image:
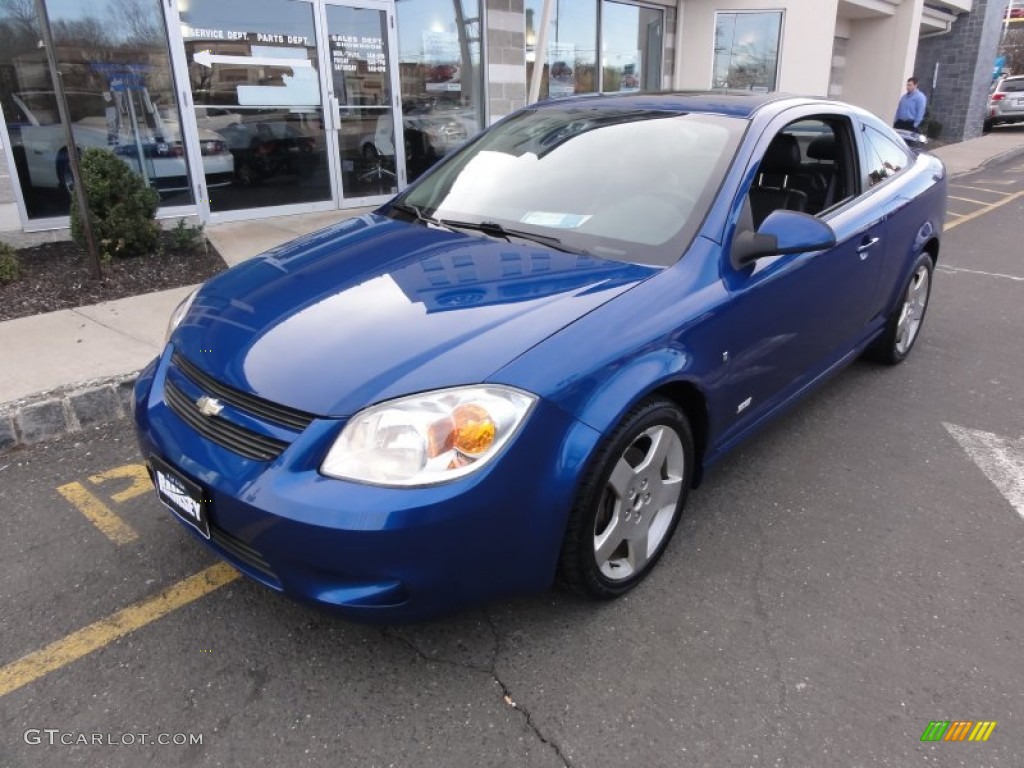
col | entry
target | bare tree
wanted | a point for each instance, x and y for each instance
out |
(137, 22)
(21, 14)
(1012, 47)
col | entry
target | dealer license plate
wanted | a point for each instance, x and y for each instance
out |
(182, 496)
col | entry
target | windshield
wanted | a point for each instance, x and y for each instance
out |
(625, 184)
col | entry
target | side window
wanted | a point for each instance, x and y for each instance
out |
(807, 167)
(885, 157)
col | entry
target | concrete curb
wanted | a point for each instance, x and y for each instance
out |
(60, 412)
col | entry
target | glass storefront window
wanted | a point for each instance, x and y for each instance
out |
(571, 62)
(441, 78)
(631, 45)
(116, 72)
(747, 50)
(254, 74)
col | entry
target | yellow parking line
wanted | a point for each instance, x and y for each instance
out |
(98, 513)
(58, 654)
(984, 210)
(137, 473)
(958, 215)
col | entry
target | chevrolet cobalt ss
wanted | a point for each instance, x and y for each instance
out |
(513, 372)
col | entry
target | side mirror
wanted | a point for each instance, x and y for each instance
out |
(782, 232)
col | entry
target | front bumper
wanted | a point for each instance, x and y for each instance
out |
(388, 554)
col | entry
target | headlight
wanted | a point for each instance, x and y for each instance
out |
(428, 438)
(178, 314)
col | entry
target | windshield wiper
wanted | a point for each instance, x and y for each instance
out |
(494, 229)
(417, 212)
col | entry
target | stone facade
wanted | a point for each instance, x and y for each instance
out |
(964, 57)
(835, 82)
(505, 51)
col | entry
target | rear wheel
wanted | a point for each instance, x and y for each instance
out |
(630, 501)
(65, 178)
(904, 324)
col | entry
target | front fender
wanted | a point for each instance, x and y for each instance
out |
(658, 334)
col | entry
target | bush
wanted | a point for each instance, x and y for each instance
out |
(185, 237)
(123, 208)
(9, 266)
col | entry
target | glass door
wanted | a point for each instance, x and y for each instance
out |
(362, 86)
(254, 86)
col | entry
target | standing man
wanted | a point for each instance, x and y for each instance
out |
(910, 112)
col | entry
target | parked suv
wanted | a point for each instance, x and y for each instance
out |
(1006, 104)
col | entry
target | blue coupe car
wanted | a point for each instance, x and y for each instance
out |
(514, 372)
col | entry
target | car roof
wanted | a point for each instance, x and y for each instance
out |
(742, 104)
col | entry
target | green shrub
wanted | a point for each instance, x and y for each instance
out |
(9, 266)
(185, 237)
(123, 208)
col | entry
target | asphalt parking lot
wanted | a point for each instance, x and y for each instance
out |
(848, 577)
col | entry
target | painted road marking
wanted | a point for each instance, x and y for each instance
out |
(98, 513)
(982, 189)
(986, 209)
(970, 200)
(1000, 458)
(141, 484)
(58, 654)
(947, 268)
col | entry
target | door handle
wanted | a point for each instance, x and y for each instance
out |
(866, 246)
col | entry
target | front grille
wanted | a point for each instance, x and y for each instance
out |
(243, 552)
(243, 441)
(257, 406)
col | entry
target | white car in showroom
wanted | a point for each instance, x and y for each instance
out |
(130, 127)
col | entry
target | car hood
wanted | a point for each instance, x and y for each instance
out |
(375, 308)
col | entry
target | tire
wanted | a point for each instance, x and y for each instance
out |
(629, 502)
(986, 126)
(65, 179)
(247, 175)
(904, 324)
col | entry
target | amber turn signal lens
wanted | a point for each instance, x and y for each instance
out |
(474, 429)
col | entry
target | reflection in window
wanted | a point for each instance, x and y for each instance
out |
(361, 76)
(256, 90)
(747, 50)
(570, 65)
(116, 71)
(441, 77)
(885, 157)
(631, 47)
(631, 42)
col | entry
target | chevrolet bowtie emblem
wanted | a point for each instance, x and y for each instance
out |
(209, 406)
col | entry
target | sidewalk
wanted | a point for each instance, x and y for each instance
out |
(65, 371)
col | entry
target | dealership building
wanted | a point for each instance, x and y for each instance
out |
(271, 107)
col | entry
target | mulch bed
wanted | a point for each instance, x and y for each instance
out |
(57, 275)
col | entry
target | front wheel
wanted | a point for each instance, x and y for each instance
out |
(629, 502)
(904, 324)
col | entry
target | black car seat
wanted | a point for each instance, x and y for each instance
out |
(822, 150)
(772, 188)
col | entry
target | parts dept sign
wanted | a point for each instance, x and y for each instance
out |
(300, 87)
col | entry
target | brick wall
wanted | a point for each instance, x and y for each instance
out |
(965, 57)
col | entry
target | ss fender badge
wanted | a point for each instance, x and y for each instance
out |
(209, 406)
